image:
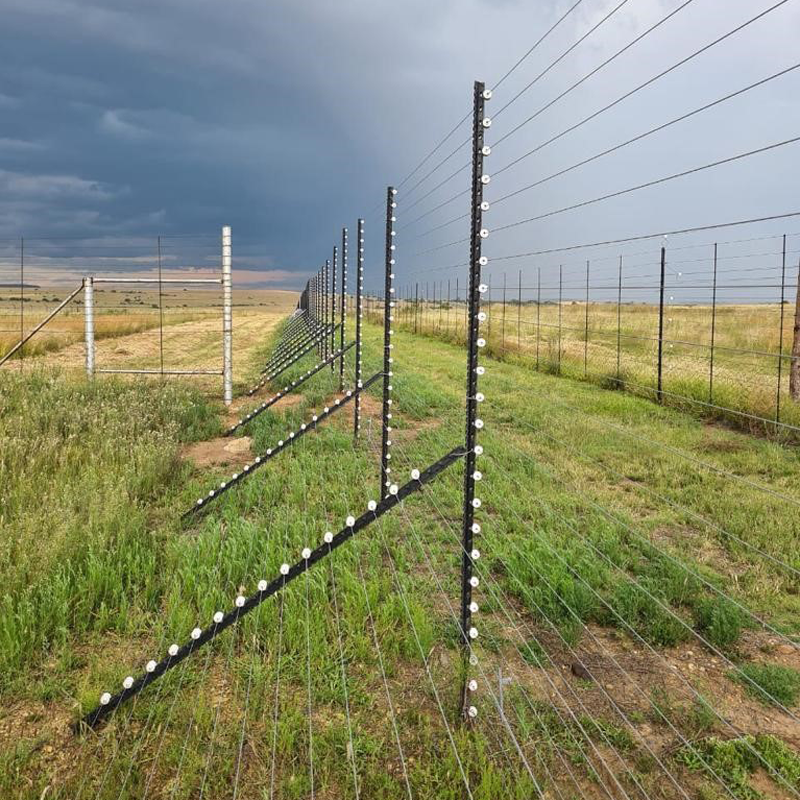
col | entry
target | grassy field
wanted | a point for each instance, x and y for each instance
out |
(638, 584)
(120, 313)
(618, 348)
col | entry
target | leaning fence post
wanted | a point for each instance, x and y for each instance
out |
(472, 449)
(88, 322)
(661, 324)
(780, 334)
(388, 360)
(227, 319)
(359, 312)
(21, 299)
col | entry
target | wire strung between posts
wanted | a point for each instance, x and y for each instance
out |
(633, 91)
(668, 610)
(542, 613)
(606, 152)
(295, 384)
(507, 74)
(447, 525)
(288, 574)
(621, 192)
(563, 55)
(283, 444)
(656, 182)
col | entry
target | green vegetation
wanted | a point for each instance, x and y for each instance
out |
(595, 512)
(735, 760)
(770, 683)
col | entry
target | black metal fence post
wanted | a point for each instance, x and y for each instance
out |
(21, 299)
(619, 322)
(343, 308)
(469, 527)
(538, 311)
(388, 360)
(661, 325)
(160, 309)
(780, 333)
(359, 312)
(713, 330)
(503, 319)
(334, 261)
(519, 311)
(560, 306)
(586, 327)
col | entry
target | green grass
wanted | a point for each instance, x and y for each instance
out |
(735, 760)
(590, 516)
(771, 683)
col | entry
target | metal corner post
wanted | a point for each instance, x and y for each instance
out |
(388, 360)
(88, 322)
(359, 320)
(474, 316)
(227, 318)
(343, 308)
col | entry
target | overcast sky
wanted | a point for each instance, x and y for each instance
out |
(287, 118)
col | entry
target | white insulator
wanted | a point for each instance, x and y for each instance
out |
(195, 634)
(473, 607)
(483, 288)
(350, 521)
(173, 649)
(481, 316)
(476, 502)
(105, 699)
(473, 633)
(480, 370)
(328, 537)
(481, 342)
(218, 617)
(478, 423)
(306, 553)
(284, 569)
(480, 397)
(474, 582)
(487, 94)
(262, 586)
(475, 554)
(484, 233)
(477, 475)
(483, 261)
(372, 505)
(473, 712)
(128, 682)
(473, 685)
(476, 528)
(393, 489)
(415, 474)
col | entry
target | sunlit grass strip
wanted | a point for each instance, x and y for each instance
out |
(291, 437)
(287, 389)
(243, 606)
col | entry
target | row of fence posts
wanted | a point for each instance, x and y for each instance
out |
(423, 309)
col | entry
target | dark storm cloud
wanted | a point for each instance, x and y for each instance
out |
(286, 119)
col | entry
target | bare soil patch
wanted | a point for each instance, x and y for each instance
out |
(223, 451)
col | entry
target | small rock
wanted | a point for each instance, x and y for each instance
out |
(579, 671)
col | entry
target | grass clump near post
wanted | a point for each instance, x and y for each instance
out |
(773, 682)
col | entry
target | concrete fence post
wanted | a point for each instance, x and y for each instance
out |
(88, 322)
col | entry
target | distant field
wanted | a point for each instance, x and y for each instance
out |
(121, 313)
(620, 351)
